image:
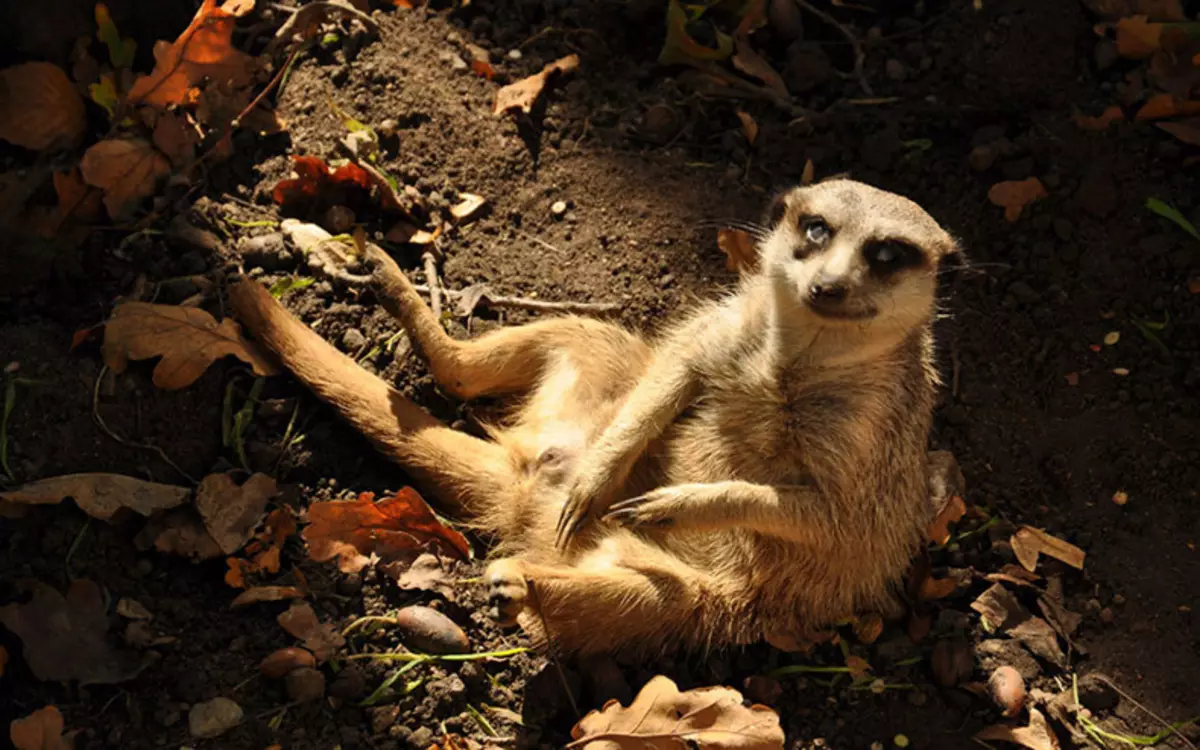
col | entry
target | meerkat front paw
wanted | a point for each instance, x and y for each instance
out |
(661, 508)
(507, 590)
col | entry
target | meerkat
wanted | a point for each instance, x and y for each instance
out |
(757, 471)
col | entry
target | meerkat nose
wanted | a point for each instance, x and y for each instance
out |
(828, 289)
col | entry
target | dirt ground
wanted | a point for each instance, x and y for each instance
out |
(1044, 429)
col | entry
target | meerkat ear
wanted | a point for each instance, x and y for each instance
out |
(776, 209)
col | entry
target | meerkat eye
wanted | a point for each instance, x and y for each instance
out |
(890, 255)
(815, 230)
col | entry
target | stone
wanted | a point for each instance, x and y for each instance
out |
(895, 70)
(213, 718)
(807, 67)
(353, 340)
(1097, 695)
(304, 685)
(558, 209)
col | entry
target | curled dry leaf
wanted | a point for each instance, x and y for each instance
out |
(66, 638)
(1036, 736)
(661, 717)
(467, 206)
(749, 127)
(748, 61)
(1015, 195)
(427, 573)
(739, 249)
(203, 51)
(231, 513)
(1013, 574)
(127, 170)
(679, 48)
(999, 608)
(40, 108)
(41, 730)
(397, 527)
(320, 638)
(954, 509)
(187, 338)
(1028, 543)
(179, 532)
(1101, 121)
(264, 553)
(101, 496)
(267, 594)
(524, 93)
(176, 136)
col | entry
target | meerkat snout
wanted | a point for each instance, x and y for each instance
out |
(853, 253)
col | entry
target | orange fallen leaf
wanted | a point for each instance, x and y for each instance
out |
(401, 526)
(936, 588)
(101, 496)
(749, 127)
(748, 61)
(1015, 195)
(483, 69)
(320, 638)
(951, 512)
(1028, 543)
(267, 594)
(522, 94)
(41, 730)
(1102, 121)
(316, 183)
(40, 108)
(1137, 38)
(1187, 130)
(187, 338)
(127, 169)
(203, 51)
(1161, 106)
(739, 249)
(76, 199)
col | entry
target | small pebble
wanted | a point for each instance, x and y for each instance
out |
(1106, 616)
(353, 340)
(895, 70)
(558, 209)
(213, 718)
(514, 54)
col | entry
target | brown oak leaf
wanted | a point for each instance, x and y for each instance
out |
(101, 496)
(1036, 736)
(662, 718)
(40, 108)
(231, 513)
(127, 169)
(1028, 543)
(320, 638)
(187, 338)
(397, 527)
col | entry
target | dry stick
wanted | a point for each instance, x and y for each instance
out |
(144, 446)
(435, 287)
(859, 55)
(1166, 724)
(266, 89)
(536, 305)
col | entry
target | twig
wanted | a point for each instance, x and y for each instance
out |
(536, 305)
(237, 121)
(435, 287)
(539, 241)
(1166, 724)
(562, 676)
(860, 56)
(99, 420)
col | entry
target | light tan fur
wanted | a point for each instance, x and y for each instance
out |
(757, 471)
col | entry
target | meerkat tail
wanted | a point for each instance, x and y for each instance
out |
(379, 412)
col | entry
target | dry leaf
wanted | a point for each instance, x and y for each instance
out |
(1041, 639)
(1013, 574)
(1036, 736)
(127, 169)
(1187, 131)
(317, 185)
(268, 594)
(679, 48)
(467, 206)
(101, 496)
(1100, 122)
(187, 338)
(265, 552)
(1028, 542)
(41, 730)
(522, 94)
(76, 199)
(740, 252)
(749, 127)
(179, 532)
(1159, 10)
(203, 51)
(662, 717)
(39, 107)
(868, 628)
(427, 573)
(1161, 106)
(858, 666)
(66, 638)
(809, 174)
(176, 136)
(483, 69)
(132, 609)
(1015, 195)
(954, 509)
(320, 638)
(933, 589)
(1137, 38)
(999, 608)
(752, 64)
(231, 513)
(397, 527)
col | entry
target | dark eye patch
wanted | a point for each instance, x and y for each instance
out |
(888, 256)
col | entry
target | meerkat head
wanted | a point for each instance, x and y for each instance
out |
(845, 253)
